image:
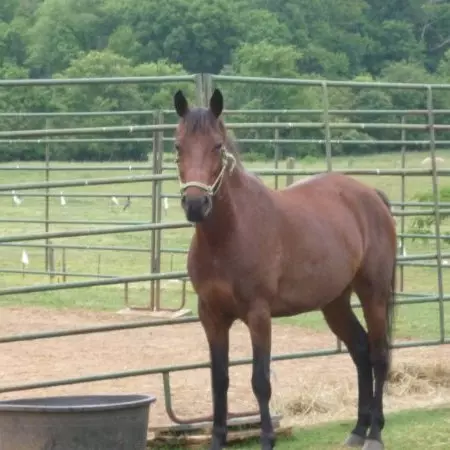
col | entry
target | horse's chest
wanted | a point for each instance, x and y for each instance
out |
(231, 283)
(234, 276)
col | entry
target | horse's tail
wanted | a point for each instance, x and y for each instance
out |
(390, 310)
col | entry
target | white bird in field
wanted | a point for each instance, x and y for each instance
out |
(16, 199)
(24, 259)
(63, 200)
(114, 200)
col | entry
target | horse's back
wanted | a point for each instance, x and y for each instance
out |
(329, 192)
(340, 218)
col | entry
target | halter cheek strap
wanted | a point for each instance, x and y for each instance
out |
(228, 162)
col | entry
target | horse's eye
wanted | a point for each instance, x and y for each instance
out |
(217, 148)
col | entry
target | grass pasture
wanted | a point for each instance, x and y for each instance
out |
(413, 321)
(412, 430)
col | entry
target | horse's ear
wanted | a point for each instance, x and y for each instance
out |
(216, 103)
(180, 103)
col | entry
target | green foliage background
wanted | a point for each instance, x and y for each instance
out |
(399, 40)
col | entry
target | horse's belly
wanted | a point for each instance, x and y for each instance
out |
(297, 304)
(298, 295)
(292, 307)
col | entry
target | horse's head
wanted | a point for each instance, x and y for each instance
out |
(201, 155)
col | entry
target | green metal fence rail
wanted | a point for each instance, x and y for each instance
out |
(157, 174)
(98, 81)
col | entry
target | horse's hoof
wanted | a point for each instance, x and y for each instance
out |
(267, 446)
(354, 441)
(372, 444)
(216, 444)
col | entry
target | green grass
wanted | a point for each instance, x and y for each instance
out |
(407, 430)
(411, 430)
(418, 321)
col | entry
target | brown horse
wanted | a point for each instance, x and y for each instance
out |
(258, 253)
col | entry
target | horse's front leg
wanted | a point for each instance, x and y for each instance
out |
(217, 333)
(260, 326)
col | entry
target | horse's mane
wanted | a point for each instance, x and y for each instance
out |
(202, 120)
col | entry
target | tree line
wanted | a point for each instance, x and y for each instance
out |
(362, 40)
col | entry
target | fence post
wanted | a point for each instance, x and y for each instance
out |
(153, 220)
(207, 88)
(437, 216)
(290, 165)
(51, 261)
(277, 150)
(200, 89)
(402, 199)
(327, 131)
(155, 259)
(99, 264)
(159, 160)
(64, 264)
(47, 201)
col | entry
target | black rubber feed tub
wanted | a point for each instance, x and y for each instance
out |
(94, 422)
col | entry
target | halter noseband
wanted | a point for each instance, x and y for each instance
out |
(228, 162)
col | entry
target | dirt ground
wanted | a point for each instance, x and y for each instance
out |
(305, 391)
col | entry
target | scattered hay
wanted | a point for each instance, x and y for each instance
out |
(324, 399)
(330, 400)
(411, 378)
(303, 406)
(403, 383)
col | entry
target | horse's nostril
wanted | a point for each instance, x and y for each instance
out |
(207, 203)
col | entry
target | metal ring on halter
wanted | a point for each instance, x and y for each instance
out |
(228, 159)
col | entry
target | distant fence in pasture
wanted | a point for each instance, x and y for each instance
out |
(160, 178)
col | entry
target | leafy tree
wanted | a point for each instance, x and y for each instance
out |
(434, 30)
(7, 8)
(196, 33)
(405, 72)
(374, 40)
(16, 100)
(63, 30)
(123, 41)
(268, 60)
(257, 25)
(319, 61)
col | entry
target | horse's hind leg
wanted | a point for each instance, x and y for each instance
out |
(375, 299)
(345, 325)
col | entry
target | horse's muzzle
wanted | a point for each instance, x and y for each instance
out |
(196, 208)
